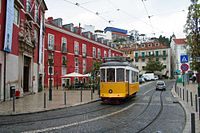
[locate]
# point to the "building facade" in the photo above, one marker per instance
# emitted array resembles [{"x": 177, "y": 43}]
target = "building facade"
[
  {"x": 178, "y": 46},
  {"x": 21, "y": 48},
  {"x": 72, "y": 51},
  {"x": 142, "y": 53}
]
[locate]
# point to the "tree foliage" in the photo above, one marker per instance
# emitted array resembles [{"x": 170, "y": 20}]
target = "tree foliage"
[
  {"x": 164, "y": 40},
  {"x": 153, "y": 66},
  {"x": 192, "y": 33}
]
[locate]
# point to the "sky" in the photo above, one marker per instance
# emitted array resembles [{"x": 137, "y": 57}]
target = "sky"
[{"x": 150, "y": 17}]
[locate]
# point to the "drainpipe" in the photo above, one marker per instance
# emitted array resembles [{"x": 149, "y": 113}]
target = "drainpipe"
[{"x": 4, "y": 78}]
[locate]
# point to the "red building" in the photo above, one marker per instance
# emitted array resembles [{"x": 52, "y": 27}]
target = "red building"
[
  {"x": 72, "y": 50},
  {"x": 21, "y": 25}
]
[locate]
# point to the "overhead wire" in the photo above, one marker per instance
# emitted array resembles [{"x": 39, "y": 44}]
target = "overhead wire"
[{"x": 88, "y": 10}]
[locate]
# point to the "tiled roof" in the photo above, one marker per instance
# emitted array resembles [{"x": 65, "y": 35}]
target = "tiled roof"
[{"x": 180, "y": 41}]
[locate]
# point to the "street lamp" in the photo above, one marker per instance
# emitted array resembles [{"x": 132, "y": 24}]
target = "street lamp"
[{"x": 50, "y": 72}]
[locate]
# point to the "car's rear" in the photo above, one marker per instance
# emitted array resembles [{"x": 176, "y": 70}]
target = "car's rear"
[{"x": 160, "y": 85}]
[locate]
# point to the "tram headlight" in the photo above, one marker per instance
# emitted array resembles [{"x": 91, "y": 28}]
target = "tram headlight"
[{"x": 110, "y": 91}]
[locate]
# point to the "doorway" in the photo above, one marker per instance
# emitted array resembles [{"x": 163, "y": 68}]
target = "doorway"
[
  {"x": 0, "y": 82},
  {"x": 26, "y": 75}
]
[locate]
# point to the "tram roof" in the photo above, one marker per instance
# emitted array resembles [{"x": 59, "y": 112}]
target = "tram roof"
[{"x": 116, "y": 63}]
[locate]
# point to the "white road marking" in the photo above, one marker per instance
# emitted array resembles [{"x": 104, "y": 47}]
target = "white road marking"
[
  {"x": 78, "y": 123},
  {"x": 148, "y": 91}
]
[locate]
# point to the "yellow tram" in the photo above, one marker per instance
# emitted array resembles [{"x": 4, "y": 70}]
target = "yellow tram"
[{"x": 119, "y": 79}]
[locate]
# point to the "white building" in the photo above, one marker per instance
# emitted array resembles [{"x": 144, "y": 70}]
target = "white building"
[{"x": 178, "y": 46}]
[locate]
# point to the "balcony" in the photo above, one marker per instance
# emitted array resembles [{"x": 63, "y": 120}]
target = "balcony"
[{"x": 19, "y": 3}]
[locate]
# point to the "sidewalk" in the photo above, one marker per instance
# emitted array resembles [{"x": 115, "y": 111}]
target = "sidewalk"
[
  {"x": 35, "y": 102},
  {"x": 190, "y": 107}
]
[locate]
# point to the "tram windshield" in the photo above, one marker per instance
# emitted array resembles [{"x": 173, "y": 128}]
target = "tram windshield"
[
  {"x": 110, "y": 75},
  {"x": 120, "y": 75}
]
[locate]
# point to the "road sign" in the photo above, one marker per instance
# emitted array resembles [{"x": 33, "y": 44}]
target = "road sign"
[
  {"x": 184, "y": 58},
  {"x": 184, "y": 67}
]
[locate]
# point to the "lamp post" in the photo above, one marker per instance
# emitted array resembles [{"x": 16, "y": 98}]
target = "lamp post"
[
  {"x": 50, "y": 72},
  {"x": 57, "y": 80},
  {"x": 198, "y": 77}
]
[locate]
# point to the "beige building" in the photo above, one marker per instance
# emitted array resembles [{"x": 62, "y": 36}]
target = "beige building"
[{"x": 141, "y": 53}]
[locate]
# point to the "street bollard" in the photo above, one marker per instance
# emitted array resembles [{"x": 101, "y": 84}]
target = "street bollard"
[
  {"x": 196, "y": 103},
  {"x": 180, "y": 93},
  {"x": 192, "y": 123},
  {"x": 81, "y": 94},
  {"x": 187, "y": 95},
  {"x": 65, "y": 98},
  {"x": 199, "y": 108},
  {"x": 91, "y": 94},
  {"x": 13, "y": 102},
  {"x": 45, "y": 100},
  {"x": 183, "y": 94},
  {"x": 191, "y": 99}
]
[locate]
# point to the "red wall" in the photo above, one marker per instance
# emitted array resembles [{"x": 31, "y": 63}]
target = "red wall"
[{"x": 70, "y": 54}]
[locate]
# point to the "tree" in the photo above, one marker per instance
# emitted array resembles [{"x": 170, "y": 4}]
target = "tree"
[
  {"x": 164, "y": 40},
  {"x": 192, "y": 34},
  {"x": 153, "y": 66}
]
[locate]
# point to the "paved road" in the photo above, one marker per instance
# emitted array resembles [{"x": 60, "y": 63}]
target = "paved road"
[{"x": 149, "y": 111}]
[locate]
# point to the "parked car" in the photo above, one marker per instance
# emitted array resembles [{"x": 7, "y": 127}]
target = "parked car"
[
  {"x": 141, "y": 80},
  {"x": 160, "y": 85},
  {"x": 156, "y": 77},
  {"x": 146, "y": 78}
]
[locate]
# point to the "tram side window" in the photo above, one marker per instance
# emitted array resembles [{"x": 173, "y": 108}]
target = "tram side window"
[
  {"x": 133, "y": 77},
  {"x": 127, "y": 75},
  {"x": 136, "y": 77},
  {"x": 120, "y": 75},
  {"x": 102, "y": 75},
  {"x": 110, "y": 75}
]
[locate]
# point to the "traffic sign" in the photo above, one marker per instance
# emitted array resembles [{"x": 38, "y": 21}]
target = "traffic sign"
[
  {"x": 184, "y": 58},
  {"x": 184, "y": 67}
]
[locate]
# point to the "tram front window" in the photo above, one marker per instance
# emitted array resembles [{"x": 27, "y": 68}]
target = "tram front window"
[
  {"x": 102, "y": 75},
  {"x": 120, "y": 75},
  {"x": 110, "y": 75}
]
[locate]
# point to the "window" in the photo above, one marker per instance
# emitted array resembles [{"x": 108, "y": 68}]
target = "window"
[
  {"x": 156, "y": 53},
  {"x": 76, "y": 65},
  {"x": 136, "y": 60},
  {"x": 84, "y": 66},
  {"x": 64, "y": 60},
  {"x": 127, "y": 75},
  {"x": 110, "y": 75},
  {"x": 51, "y": 41},
  {"x": 109, "y": 53},
  {"x": 164, "y": 52},
  {"x": 76, "y": 48},
  {"x": 28, "y": 6},
  {"x": 120, "y": 75},
  {"x": 94, "y": 52},
  {"x": 84, "y": 50},
  {"x": 143, "y": 67},
  {"x": 105, "y": 54},
  {"x": 16, "y": 15},
  {"x": 37, "y": 12},
  {"x": 157, "y": 59},
  {"x": 113, "y": 54},
  {"x": 132, "y": 77},
  {"x": 136, "y": 55},
  {"x": 164, "y": 58},
  {"x": 64, "y": 70},
  {"x": 165, "y": 66},
  {"x": 143, "y": 54},
  {"x": 0, "y": 6},
  {"x": 143, "y": 60},
  {"x": 102, "y": 73},
  {"x": 99, "y": 53},
  {"x": 64, "y": 44}
]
